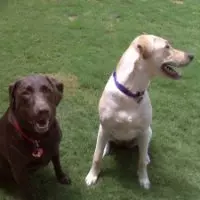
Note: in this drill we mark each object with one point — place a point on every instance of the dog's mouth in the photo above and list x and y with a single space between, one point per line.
169 71
42 125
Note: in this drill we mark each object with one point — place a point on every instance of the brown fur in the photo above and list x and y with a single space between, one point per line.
16 157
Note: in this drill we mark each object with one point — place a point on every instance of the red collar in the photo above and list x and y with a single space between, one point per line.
37 151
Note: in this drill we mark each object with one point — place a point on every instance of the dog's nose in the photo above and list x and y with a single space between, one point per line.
191 56
43 112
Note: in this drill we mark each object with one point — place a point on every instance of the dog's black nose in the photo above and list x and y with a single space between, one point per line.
43 112
190 56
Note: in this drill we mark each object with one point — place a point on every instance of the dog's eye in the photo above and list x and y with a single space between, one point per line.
26 96
45 89
167 46
28 90
25 93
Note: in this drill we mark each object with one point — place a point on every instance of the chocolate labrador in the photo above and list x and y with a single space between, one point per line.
30 133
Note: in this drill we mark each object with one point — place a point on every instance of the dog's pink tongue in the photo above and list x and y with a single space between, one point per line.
177 76
42 122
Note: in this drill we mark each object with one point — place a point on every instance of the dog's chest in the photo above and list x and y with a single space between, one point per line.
128 124
49 148
26 150
126 120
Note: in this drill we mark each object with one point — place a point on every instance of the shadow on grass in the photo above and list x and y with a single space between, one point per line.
126 166
45 187
8 185
48 188
163 185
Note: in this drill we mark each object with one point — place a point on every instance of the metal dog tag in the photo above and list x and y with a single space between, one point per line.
37 153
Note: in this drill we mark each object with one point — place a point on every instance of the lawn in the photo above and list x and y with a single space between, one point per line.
80 42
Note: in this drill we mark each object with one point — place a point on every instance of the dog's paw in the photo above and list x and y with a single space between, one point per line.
145 183
91 179
65 180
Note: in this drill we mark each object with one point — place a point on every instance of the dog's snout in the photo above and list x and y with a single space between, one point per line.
41 107
191 56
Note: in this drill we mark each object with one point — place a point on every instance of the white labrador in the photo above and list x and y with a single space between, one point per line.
125 108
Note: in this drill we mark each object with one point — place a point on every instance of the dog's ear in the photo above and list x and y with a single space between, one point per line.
12 89
143 47
144 33
58 87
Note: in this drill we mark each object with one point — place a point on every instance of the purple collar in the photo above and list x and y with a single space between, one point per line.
138 96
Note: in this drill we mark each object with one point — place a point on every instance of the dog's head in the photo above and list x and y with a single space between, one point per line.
159 57
33 100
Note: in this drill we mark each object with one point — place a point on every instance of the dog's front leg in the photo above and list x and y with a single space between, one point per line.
21 177
107 149
102 139
143 143
61 176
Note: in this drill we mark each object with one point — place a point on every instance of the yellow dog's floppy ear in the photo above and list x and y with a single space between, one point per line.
144 33
143 46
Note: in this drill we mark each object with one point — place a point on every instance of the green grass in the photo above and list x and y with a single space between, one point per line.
84 40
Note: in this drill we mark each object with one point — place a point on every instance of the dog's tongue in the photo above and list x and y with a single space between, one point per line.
179 71
42 122
41 125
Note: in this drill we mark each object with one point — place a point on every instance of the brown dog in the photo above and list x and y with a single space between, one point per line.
30 134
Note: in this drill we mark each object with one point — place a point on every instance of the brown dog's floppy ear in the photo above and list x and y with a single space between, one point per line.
143 47
59 88
12 88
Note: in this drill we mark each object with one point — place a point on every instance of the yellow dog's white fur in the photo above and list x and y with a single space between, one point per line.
121 117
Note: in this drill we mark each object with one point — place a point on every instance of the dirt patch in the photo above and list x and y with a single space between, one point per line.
109 26
51 1
72 18
70 82
177 1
